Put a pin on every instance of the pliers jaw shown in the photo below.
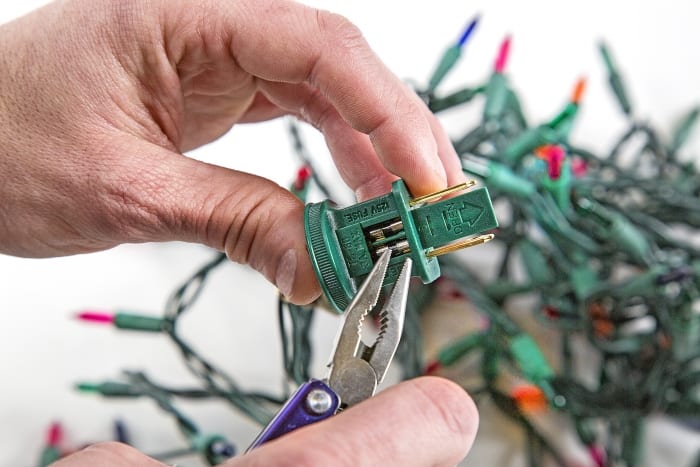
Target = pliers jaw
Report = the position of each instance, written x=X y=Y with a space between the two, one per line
x=357 y=368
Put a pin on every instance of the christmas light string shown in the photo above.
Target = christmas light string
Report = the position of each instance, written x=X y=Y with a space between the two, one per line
x=593 y=238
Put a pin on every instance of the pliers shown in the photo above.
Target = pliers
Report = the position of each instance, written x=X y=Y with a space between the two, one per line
x=356 y=368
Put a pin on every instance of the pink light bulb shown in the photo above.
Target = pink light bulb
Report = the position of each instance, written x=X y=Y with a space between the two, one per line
x=54 y=435
x=502 y=57
x=95 y=316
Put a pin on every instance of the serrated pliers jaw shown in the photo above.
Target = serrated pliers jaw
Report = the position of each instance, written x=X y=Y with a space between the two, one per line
x=357 y=368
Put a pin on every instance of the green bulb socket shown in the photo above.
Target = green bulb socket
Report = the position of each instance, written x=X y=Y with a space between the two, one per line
x=447 y=61
x=496 y=97
x=560 y=188
x=499 y=177
x=620 y=93
x=301 y=194
x=138 y=322
x=529 y=359
x=563 y=120
x=49 y=455
x=109 y=389
x=615 y=80
x=345 y=243
x=528 y=141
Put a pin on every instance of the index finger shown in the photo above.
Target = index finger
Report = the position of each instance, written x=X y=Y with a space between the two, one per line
x=286 y=42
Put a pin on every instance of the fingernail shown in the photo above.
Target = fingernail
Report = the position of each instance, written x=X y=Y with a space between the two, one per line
x=285 y=272
x=439 y=170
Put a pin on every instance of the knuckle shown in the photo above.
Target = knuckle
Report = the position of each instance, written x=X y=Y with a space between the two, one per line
x=318 y=111
x=136 y=205
x=124 y=15
x=243 y=222
x=338 y=30
x=251 y=219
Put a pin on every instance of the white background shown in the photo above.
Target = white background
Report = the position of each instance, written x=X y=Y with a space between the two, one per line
x=43 y=351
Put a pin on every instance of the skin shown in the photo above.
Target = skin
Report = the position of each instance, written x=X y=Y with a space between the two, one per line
x=98 y=101
x=423 y=422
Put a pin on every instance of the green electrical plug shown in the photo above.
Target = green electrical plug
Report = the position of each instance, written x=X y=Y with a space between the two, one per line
x=345 y=243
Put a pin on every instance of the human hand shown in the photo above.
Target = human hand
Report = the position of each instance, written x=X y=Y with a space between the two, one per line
x=99 y=98
x=422 y=422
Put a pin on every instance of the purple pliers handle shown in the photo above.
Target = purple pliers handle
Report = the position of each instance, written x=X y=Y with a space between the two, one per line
x=312 y=402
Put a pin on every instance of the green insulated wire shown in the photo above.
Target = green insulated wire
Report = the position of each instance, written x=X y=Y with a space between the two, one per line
x=460 y=97
x=599 y=251
x=615 y=80
x=295 y=325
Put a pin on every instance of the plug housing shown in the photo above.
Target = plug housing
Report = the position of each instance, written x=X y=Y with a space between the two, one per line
x=345 y=243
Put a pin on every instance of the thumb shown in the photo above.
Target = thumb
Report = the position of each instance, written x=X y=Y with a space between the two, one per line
x=166 y=196
x=423 y=422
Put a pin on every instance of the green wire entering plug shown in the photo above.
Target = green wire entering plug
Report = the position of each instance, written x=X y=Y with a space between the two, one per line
x=345 y=243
